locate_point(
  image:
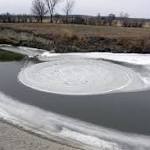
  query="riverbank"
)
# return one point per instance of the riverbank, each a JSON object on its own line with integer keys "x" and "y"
{"x": 13, "y": 138}
{"x": 76, "y": 38}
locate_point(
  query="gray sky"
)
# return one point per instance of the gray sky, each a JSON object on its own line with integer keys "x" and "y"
{"x": 135, "y": 8}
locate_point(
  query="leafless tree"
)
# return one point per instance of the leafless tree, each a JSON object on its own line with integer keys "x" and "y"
{"x": 125, "y": 19}
{"x": 111, "y": 18}
{"x": 51, "y": 4}
{"x": 98, "y": 19}
{"x": 39, "y": 9}
{"x": 124, "y": 15}
{"x": 68, "y": 8}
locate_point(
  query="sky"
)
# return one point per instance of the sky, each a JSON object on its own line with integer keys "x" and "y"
{"x": 135, "y": 8}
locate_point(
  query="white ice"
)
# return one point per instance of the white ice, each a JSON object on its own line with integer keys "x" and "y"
{"x": 132, "y": 58}
{"x": 82, "y": 74}
{"x": 68, "y": 131}
{"x": 30, "y": 52}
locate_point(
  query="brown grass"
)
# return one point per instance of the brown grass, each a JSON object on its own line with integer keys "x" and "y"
{"x": 81, "y": 30}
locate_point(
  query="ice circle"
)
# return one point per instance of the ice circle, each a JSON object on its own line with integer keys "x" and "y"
{"x": 73, "y": 75}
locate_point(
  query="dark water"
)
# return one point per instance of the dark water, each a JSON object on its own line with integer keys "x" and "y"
{"x": 126, "y": 112}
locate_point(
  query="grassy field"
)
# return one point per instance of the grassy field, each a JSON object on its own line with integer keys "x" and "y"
{"x": 82, "y": 30}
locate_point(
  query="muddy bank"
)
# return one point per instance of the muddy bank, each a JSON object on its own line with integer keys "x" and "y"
{"x": 65, "y": 42}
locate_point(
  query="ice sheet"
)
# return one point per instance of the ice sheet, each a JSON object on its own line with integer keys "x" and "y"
{"x": 80, "y": 74}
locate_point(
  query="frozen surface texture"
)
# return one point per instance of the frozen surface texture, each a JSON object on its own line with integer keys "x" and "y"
{"x": 82, "y": 75}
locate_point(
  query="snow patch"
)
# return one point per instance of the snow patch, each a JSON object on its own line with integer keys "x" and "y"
{"x": 30, "y": 52}
{"x": 132, "y": 58}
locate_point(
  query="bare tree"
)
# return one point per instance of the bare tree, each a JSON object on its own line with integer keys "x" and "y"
{"x": 51, "y": 4}
{"x": 124, "y": 15}
{"x": 111, "y": 18}
{"x": 68, "y": 8}
{"x": 99, "y": 19}
{"x": 39, "y": 9}
{"x": 125, "y": 19}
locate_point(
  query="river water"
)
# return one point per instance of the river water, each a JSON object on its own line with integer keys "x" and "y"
{"x": 126, "y": 111}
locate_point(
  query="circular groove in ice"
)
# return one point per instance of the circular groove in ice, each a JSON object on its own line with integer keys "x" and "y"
{"x": 72, "y": 75}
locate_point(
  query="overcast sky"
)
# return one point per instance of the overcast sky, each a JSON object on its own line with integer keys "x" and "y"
{"x": 135, "y": 8}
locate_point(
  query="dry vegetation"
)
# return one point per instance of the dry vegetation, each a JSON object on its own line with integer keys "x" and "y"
{"x": 81, "y": 30}
{"x": 89, "y": 38}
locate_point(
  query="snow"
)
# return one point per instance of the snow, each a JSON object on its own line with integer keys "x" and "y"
{"x": 132, "y": 58}
{"x": 48, "y": 54}
{"x": 136, "y": 59}
{"x": 30, "y": 52}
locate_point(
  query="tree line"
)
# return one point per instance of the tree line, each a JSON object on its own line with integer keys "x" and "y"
{"x": 46, "y": 10}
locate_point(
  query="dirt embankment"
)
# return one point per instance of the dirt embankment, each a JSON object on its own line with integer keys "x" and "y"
{"x": 73, "y": 42}
{"x": 23, "y": 38}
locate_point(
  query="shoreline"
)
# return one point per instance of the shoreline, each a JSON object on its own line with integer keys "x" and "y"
{"x": 13, "y": 137}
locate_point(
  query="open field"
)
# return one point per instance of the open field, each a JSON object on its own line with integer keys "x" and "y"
{"x": 81, "y": 30}
{"x": 76, "y": 38}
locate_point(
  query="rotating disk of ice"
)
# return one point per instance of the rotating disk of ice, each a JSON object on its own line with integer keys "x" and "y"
{"x": 73, "y": 75}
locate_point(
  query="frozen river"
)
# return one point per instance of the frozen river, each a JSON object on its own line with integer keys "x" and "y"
{"x": 113, "y": 95}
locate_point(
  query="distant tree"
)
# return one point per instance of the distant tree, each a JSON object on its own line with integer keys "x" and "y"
{"x": 51, "y": 4}
{"x": 58, "y": 18}
{"x": 39, "y": 9}
{"x": 68, "y": 8}
{"x": 98, "y": 18}
{"x": 111, "y": 18}
{"x": 125, "y": 19}
{"x": 124, "y": 15}
{"x": 9, "y": 17}
{"x": 6, "y": 17}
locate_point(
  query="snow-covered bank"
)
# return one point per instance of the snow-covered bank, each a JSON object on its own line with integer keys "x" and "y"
{"x": 43, "y": 55}
{"x": 30, "y": 52}
{"x": 68, "y": 131}
{"x": 132, "y": 58}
